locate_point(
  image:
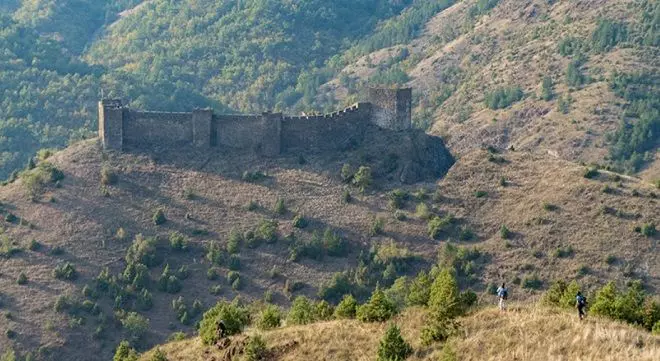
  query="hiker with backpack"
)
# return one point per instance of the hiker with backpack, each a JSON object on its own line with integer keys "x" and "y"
{"x": 502, "y": 294}
{"x": 580, "y": 304}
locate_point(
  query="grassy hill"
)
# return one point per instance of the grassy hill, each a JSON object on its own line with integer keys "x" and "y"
{"x": 560, "y": 225}
{"x": 523, "y": 333}
{"x": 536, "y": 75}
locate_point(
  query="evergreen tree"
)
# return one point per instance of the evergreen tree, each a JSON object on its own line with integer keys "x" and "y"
{"x": 379, "y": 308}
{"x": 347, "y": 307}
{"x": 392, "y": 346}
{"x": 420, "y": 290}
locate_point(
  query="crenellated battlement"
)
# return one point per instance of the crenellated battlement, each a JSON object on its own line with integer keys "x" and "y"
{"x": 268, "y": 133}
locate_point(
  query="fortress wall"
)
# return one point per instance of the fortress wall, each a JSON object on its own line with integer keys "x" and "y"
{"x": 158, "y": 128}
{"x": 391, "y": 108}
{"x": 238, "y": 131}
{"x": 335, "y": 131}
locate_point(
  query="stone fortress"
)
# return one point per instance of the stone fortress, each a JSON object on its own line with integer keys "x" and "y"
{"x": 381, "y": 125}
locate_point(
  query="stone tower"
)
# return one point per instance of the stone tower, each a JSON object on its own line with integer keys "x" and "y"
{"x": 111, "y": 124}
{"x": 391, "y": 107}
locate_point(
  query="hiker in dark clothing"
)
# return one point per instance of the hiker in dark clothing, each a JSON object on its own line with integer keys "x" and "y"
{"x": 221, "y": 329}
{"x": 502, "y": 295}
{"x": 580, "y": 304}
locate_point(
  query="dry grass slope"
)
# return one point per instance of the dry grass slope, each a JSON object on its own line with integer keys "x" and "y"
{"x": 524, "y": 333}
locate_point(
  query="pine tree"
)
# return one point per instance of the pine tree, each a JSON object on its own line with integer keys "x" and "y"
{"x": 444, "y": 293}
{"x": 346, "y": 308}
{"x": 419, "y": 292}
{"x": 392, "y": 346}
{"x": 379, "y": 308}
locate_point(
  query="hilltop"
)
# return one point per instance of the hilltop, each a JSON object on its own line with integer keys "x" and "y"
{"x": 524, "y": 333}
{"x": 562, "y": 225}
{"x": 547, "y": 76}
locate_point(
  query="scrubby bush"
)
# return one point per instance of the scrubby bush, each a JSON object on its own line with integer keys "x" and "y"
{"x": 36, "y": 180}
{"x": 108, "y": 176}
{"x": 445, "y": 306}
{"x": 269, "y": 317}
{"x": 234, "y": 262}
{"x": 136, "y": 325}
{"x": 168, "y": 282}
{"x": 301, "y": 312}
{"x": 158, "y": 355}
{"x": 362, "y": 178}
{"x": 503, "y": 97}
{"x": 505, "y": 233}
{"x": 377, "y": 226}
{"x": 279, "y": 207}
{"x": 299, "y": 221}
{"x": 323, "y": 311}
{"x": 143, "y": 250}
{"x": 392, "y": 346}
{"x": 234, "y": 316}
{"x": 564, "y": 252}
{"x": 547, "y": 91}
{"x": 419, "y": 291}
{"x": 397, "y": 198}
{"x": 532, "y": 282}
{"x": 422, "y": 211}
{"x": 346, "y": 196}
{"x": 159, "y": 217}
{"x": 234, "y": 241}
{"x": 590, "y": 173}
{"x": 333, "y": 244}
{"x": 267, "y": 230}
{"x": 125, "y": 352}
{"x": 178, "y": 241}
{"x": 437, "y": 225}
{"x": 22, "y": 279}
{"x": 253, "y": 176}
{"x": 346, "y": 173}
{"x": 347, "y": 307}
{"x": 379, "y": 308}
{"x": 648, "y": 230}
{"x": 256, "y": 349}
{"x": 65, "y": 272}
{"x": 214, "y": 253}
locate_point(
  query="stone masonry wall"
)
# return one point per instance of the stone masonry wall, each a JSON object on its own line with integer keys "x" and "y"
{"x": 391, "y": 108}
{"x": 158, "y": 129}
{"x": 336, "y": 131}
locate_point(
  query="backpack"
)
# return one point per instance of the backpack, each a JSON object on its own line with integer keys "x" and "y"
{"x": 582, "y": 301}
{"x": 504, "y": 293}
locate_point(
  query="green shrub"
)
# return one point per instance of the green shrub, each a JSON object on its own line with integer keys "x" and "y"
{"x": 400, "y": 215}
{"x": 37, "y": 179}
{"x": 299, "y": 221}
{"x": 347, "y": 307}
{"x": 34, "y": 245}
{"x": 279, "y": 207}
{"x": 159, "y": 217}
{"x": 591, "y": 173}
{"x": 547, "y": 91}
{"x": 267, "y": 230}
{"x": 610, "y": 259}
{"x": 574, "y": 76}
{"x": 333, "y": 244}
{"x": 445, "y": 305}
{"x": 214, "y": 253}
{"x": 234, "y": 241}
{"x": 252, "y": 206}
{"x": 234, "y": 316}
{"x": 158, "y": 355}
{"x": 656, "y": 329}
{"x": 143, "y": 250}
{"x": 323, "y": 311}
{"x": 108, "y": 176}
{"x": 234, "y": 262}
{"x": 125, "y": 352}
{"x": 232, "y": 276}
{"x": 419, "y": 291}
{"x": 397, "y": 198}
{"x": 8, "y": 247}
{"x": 392, "y": 346}
{"x": 648, "y": 229}
{"x": 301, "y": 312}
{"x": 346, "y": 196}
{"x": 437, "y": 225}
{"x": 178, "y": 241}
{"x": 379, "y": 308}
{"x": 422, "y": 211}
{"x": 377, "y": 226}
{"x": 269, "y": 317}
{"x": 256, "y": 349}
{"x": 253, "y": 176}
{"x": 346, "y": 173}
{"x": 135, "y": 325}
{"x": 22, "y": 279}
{"x": 144, "y": 300}
{"x": 65, "y": 272}
{"x": 168, "y": 282}
{"x": 505, "y": 233}
{"x": 532, "y": 282}
{"x": 480, "y": 194}
{"x": 564, "y": 252}
{"x": 362, "y": 178}
{"x": 503, "y": 97}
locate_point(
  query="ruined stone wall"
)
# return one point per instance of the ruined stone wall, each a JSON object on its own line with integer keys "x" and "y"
{"x": 335, "y": 131}
{"x": 158, "y": 129}
{"x": 392, "y": 108}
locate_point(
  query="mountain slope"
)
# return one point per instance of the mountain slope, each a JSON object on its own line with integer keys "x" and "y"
{"x": 525, "y": 333}
{"x": 471, "y": 52}
{"x": 204, "y": 199}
